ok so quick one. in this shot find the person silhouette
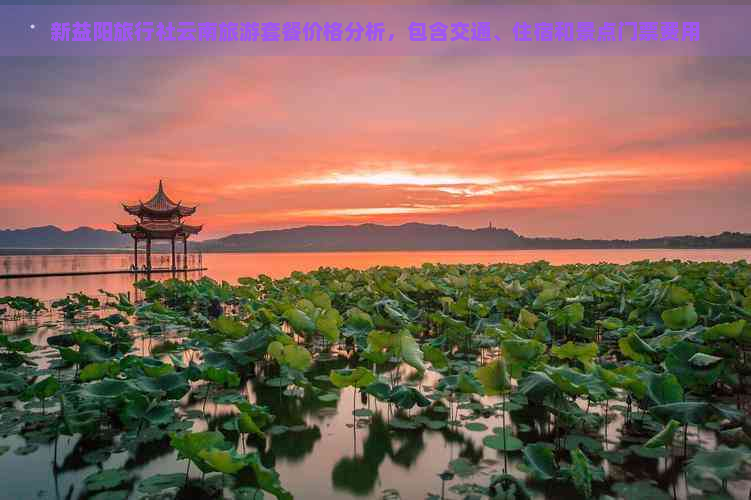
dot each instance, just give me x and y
(215, 308)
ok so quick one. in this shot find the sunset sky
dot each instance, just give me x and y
(579, 146)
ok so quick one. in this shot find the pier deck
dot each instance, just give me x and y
(113, 271)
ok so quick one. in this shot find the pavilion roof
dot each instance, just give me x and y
(159, 229)
(159, 206)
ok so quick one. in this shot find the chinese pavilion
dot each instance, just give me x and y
(160, 218)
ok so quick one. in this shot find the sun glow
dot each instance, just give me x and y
(482, 190)
(567, 176)
(399, 178)
(372, 211)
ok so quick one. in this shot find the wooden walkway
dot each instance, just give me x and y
(159, 270)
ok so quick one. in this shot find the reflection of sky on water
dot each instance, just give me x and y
(231, 266)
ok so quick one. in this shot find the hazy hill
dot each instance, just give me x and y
(54, 237)
(412, 236)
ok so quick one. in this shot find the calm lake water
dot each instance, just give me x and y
(330, 454)
(229, 267)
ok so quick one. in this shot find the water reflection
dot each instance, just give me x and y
(229, 267)
(358, 474)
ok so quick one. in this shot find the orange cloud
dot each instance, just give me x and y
(545, 146)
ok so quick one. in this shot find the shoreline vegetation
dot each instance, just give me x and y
(359, 238)
(516, 381)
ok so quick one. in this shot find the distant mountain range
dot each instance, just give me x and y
(53, 237)
(364, 237)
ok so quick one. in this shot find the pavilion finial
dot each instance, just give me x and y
(159, 206)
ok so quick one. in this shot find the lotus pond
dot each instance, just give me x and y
(440, 381)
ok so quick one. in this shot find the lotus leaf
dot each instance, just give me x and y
(611, 323)
(662, 388)
(222, 376)
(643, 490)
(160, 482)
(466, 383)
(107, 479)
(678, 362)
(701, 360)
(537, 386)
(723, 463)
(540, 461)
(724, 331)
(406, 347)
(633, 347)
(97, 371)
(679, 296)
(299, 321)
(45, 388)
(435, 356)
(226, 461)
(328, 324)
(665, 436)
(191, 444)
(10, 383)
(680, 318)
(359, 377)
(584, 353)
(527, 319)
(570, 315)
(494, 377)
(582, 472)
(229, 328)
(546, 295)
(521, 354)
(155, 368)
(686, 412)
(503, 440)
(462, 467)
(407, 397)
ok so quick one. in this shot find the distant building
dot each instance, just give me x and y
(160, 218)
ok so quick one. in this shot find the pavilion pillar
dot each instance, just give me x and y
(185, 253)
(173, 253)
(148, 254)
(135, 253)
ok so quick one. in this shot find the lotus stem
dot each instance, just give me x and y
(607, 406)
(206, 398)
(503, 429)
(685, 440)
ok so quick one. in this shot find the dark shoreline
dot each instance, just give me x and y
(9, 252)
(409, 237)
